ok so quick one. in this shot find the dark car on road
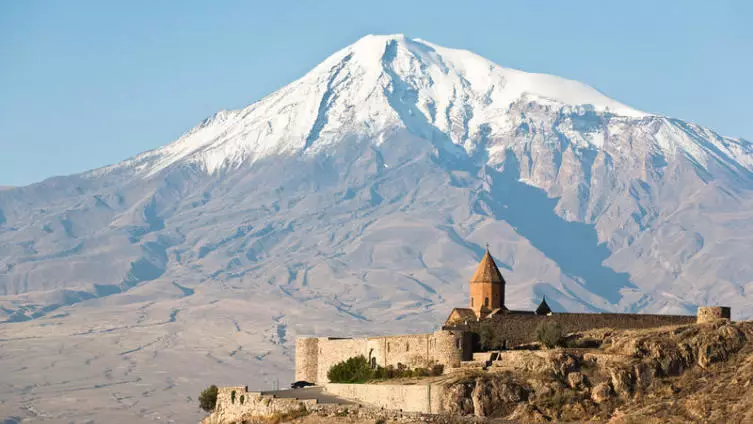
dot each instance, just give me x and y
(300, 384)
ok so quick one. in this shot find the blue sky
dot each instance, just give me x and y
(84, 84)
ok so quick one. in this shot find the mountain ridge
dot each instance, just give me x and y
(346, 206)
(370, 53)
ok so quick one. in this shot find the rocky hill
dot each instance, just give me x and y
(695, 373)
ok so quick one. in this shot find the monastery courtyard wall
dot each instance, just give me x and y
(516, 329)
(315, 356)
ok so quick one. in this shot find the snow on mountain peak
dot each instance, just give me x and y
(378, 83)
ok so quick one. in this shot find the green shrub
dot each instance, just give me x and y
(208, 398)
(358, 370)
(353, 370)
(437, 370)
(232, 396)
(243, 398)
(384, 373)
(549, 333)
(487, 337)
(420, 372)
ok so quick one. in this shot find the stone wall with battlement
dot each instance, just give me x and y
(236, 403)
(315, 356)
(513, 329)
(713, 313)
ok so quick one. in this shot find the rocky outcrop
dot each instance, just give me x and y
(496, 397)
(629, 368)
(601, 393)
(673, 351)
(458, 399)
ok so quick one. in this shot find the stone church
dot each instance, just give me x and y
(456, 341)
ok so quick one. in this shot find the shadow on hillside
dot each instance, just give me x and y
(574, 246)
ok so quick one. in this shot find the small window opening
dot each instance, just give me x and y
(486, 301)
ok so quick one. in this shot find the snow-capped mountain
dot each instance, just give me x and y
(371, 87)
(358, 199)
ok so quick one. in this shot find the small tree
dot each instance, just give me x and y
(549, 333)
(487, 337)
(437, 370)
(353, 370)
(208, 398)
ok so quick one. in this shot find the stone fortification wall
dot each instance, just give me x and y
(516, 329)
(453, 347)
(423, 398)
(713, 313)
(421, 350)
(332, 351)
(315, 356)
(236, 403)
(306, 359)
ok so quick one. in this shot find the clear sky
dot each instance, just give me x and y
(84, 84)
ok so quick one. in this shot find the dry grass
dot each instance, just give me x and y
(289, 416)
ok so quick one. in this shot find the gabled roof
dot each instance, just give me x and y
(461, 316)
(465, 313)
(543, 308)
(487, 271)
(502, 310)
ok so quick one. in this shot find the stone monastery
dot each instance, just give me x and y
(457, 345)
(458, 338)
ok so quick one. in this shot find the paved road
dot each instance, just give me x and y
(317, 393)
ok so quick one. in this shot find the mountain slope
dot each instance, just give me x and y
(358, 199)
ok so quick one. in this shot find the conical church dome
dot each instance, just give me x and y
(543, 308)
(487, 271)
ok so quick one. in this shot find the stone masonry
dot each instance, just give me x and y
(452, 346)
(236, 403)
(315, 356)
(713, 313)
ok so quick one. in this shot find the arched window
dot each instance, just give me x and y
(486, 301)
(471, 302)
(388, 346)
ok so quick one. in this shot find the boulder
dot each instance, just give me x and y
(496, 397)
(563, 363)
(457, 399)
(601, 393)
(717, 346)
(577, 380)
(644, 375)
(527, 413)
(622, 381)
